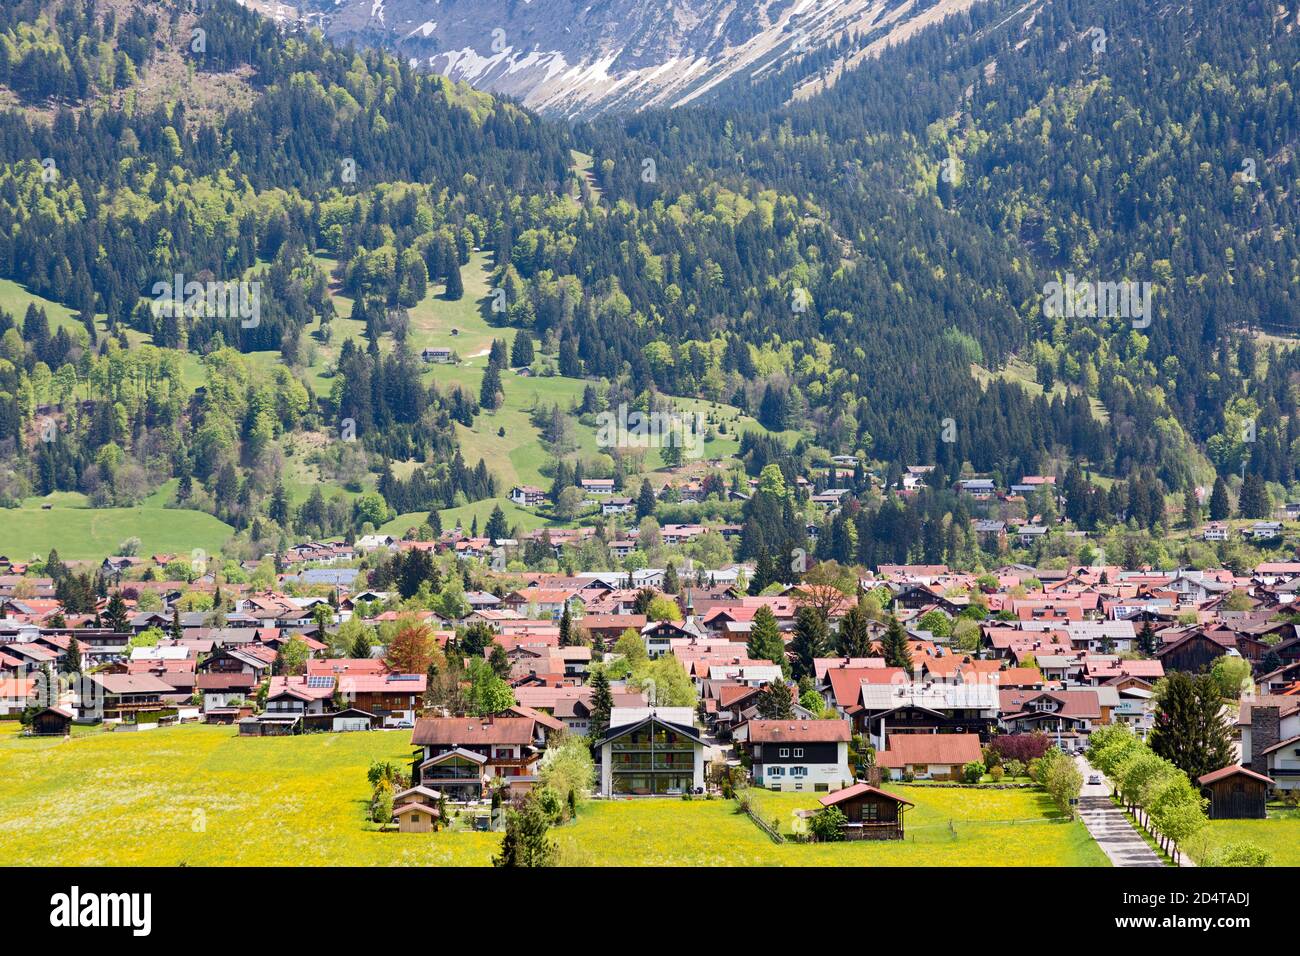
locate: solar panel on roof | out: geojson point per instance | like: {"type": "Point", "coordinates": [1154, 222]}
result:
{"type": "Point", "coordinates": [320, 681]}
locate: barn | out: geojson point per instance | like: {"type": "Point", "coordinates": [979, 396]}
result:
{"type": "Point", "coordinates": [52, 722]}
{"type": "Point", "coordinates": [1236, 793]}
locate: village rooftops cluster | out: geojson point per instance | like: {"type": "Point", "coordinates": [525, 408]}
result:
{"type": "Point", "coordinates": [1052, 654]}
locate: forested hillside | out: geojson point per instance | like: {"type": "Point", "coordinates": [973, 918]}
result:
{"type": "Point", "coordinates": [862, 268]}
{"type": "Point", "coordinates": [1128, 162]}
{"type": "Point", "coordinates": [395, 176]}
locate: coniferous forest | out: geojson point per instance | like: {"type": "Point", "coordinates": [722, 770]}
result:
{"type": "Point", "coordinates": [862, 269]}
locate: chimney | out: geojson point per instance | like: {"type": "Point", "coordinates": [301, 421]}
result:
{"type": "Point", "coordinates": [1265, 731]}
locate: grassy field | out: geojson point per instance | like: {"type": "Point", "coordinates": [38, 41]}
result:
{"type": "Point", "coordinates": [82, 533]}
{"type": "Point", "coordinates": [465, 515]}
{"type": "Point", "coordinates": [952, 826]}
{"type": "Point", "coordinates": [204, 796]}
{"type": "Point", "coordinates": [15, 298]}
{"type": "Point", "coordinates": [1280, 833]}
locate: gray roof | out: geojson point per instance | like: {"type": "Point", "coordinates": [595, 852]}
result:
{"type": "Point", "coordinates": [930, 696]}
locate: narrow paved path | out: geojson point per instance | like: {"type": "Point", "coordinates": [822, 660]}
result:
{"type": "Point", "coordinates": [1118, 839]}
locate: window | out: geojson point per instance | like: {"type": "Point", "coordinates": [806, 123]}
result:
{"type": "Point", "coordinates": [798, 752]}
{"type": "Point", "coordinates": [798, 771]}
{"type": "Point", "coordinates": [785, 751]}
{"type": "Point", "coordinates": [821, 787]}
{"type": "Point", "coordinates": [776, 771]}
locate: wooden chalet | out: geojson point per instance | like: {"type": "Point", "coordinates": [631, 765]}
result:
{"type": "Point", "coordinates": [870, 813]}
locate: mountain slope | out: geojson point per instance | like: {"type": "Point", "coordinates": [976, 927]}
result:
{"type": "Point", "coordinates": [578, 58]}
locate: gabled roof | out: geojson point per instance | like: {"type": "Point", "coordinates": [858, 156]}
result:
{"type": "Point", "coordinates": [633, 718]}
{"type": "Point", "coordinates": [460, 731]}
{"type": "Point", "coordinates": [1234, 770]}
{"type": "Point", "coordinates": [454, 752]}
{"type": "Point", "coordinates": [904, 749]}
{"type": "Point", "coordinates": [132, 684]}
{"type": "Point", "coordinates": [799, 731]}
{"type": "Point", "coordinates": [859, 790]}
{"type": "Point", "coordinates": [1279, 745]}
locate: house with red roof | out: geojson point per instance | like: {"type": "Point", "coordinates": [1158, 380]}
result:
{"type": "Point", "coordinates": [930, 756]}
{"type": "Point", "coordinates": [800, 755]}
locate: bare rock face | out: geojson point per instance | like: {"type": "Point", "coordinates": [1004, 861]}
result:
{"type": "Point", "coordinates": [576, 58]}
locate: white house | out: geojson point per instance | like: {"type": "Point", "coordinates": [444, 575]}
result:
{"type": "Point", "coordinates": [800, 755]}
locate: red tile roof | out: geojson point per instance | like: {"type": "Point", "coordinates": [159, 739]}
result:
{"type": "Point", "coordinates": [904, 749]}
{"type": "Point", "coordinates": [799, 731]}
{"type": "Point", "coordinates": [858, 790]}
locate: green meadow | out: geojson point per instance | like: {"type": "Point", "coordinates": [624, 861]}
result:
{"type": "Point", "coordinates": [465, 515]}
{"type": "Point", "coordinates": [203, 796]}
{"type": "Point", "coordinates": [1279, 834]}
{"type": "Point", "coordinates": [954, 826]}
{"type": "Point", "coordinates": [81, 533]}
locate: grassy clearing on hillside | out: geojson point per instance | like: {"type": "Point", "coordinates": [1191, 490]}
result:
{"type": "Point", "coordinates": [15, 298]}
{"type": "Point", "coordinates": [465, 515]}
{"type": "Point", "coordinates": [205, 796]}
{"type": "Point", "coordinates": [82, 533]}
{"type": "Point", "coordinates": [1021, 373]}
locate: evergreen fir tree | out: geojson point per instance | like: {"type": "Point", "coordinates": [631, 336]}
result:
{"type": "Point", "coordinates": [524, 843]}
{"type": "Point", "coordinates": [1190, 730]}
{"type": "Point", "coordinates": [811, 637]}
{"type": "Point", "coordinates": [671, 584]}
{"type": "Point", "coordinates": [854, 635]}
{"type": "Point", "coordinates": [115, 615]}
{"type": "Point", "coordinates": [765, 643]}
{"type": "Point", "coordinates": [645, 501]}
{"type": "Point", "coordinates": [521, 350]}
{"type": "Point", "coordinates": [1191, 508]}
{"type": "Point", "coordinates": [72, 660]}
{"type": "Point", "coordinates": [1147, 642]}
{"type": "Point", "coordinates": [602, 700]}
{"type": "Point", "coordinates": [894, 647]}
{"type": "Point", "coordinates": [362, 645]}
{"type": "Point", "coordinates": [455, 284]}
{"type": "Point", "coordinates": [489, 395]}
{"type": "Point", "coordinates": [1254, 501]}
{"type": "Point", "coordinates": [496, 526]}
{"type": "Point", "coordinates": [774, 702]}
{"type": "Point", "coordinates": [1220, 506]}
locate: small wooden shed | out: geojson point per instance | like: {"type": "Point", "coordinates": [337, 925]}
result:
{"type": "Point", "coordinates": [52, 722]}
{"type": "Point", "coordinates": [415, 818]}
{"type": "Point", "coordinates": [1236, 793]}
{"type": "Point", "coordinates": [869, 812]}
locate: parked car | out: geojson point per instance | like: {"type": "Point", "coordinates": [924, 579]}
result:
{"type": "Point", "coordinates": [1094, 780]}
